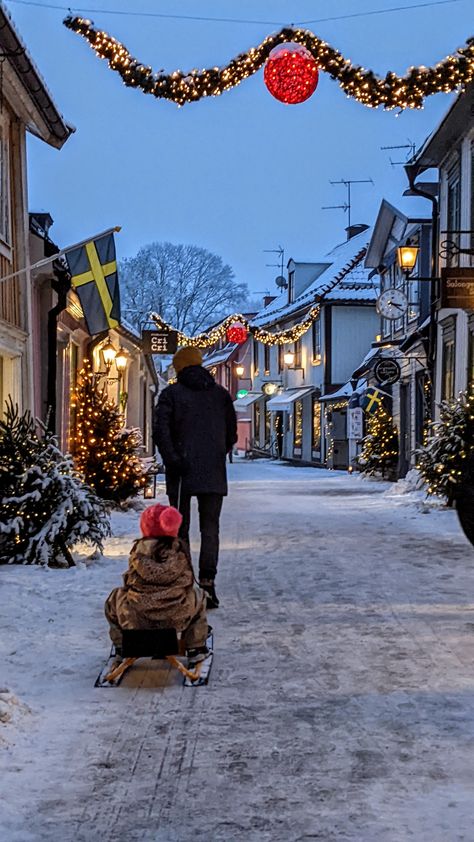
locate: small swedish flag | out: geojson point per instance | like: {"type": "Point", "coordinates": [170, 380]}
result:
{"type": "Point", "coordinates": [94, 277]}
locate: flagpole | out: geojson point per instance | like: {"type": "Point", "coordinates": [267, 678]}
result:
{"type": "Point", "coordinates": [47, 260]}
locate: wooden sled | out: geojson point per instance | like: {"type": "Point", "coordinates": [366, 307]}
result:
{"type": "Point", "coordinates": [158, 644]}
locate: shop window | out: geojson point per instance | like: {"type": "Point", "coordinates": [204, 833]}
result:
{"type": "Point", "coordinates": [472, 202]}
{"type": "Point", "coordinates": [266, 358]}
{"type": "Point", "coordinates": [470, 358]}
{"type": "Point", "coordinates": [281, 364]}
{"type": "Point", "coordinates": [317, 340]}
{"type": "Point", "coordinates": [4, 185]}
{"type": "Point", "coordinates": [316, 429]}
{"type": "Point", "coordinates": [297, 428]}
{"type": "Point", "coordinates": [256, 421]}
{"type": "Point", "coordinates": [255, 356]}
{"type": "Point", "coordinates": [268, 426]}
{"type": "Point", "coordinates": [291, 287]}
{"type": "Point", "coordinates": [298, 351]}
{"type": "Point", "coordinates": [453, 219]}
{"type": "Point", "coordinates": [448, 363]}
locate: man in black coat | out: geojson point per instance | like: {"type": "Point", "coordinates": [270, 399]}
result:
{"type": "Point", "coordinates": [194, 427]}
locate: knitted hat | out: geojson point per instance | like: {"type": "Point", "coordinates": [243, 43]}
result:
{"type": "Point", "coordinates": [185, 357]}
{"type": "Point", "coordinates": [158, 521]}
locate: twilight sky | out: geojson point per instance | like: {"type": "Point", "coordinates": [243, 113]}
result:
{"type": "Point", "coordinates": [239, 173]}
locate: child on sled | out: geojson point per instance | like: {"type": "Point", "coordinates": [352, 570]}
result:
{"type": "Point", "coordinates": [159, 589]}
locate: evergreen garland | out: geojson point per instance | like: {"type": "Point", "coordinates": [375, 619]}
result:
{"type": "Point", "coordinates": [379, 453]}
{"type": "Point", "coordinates": [390, 91]}
{"type": "Point", "coordinates": [45, 507]}
{"type": "Point", "coordinates": [105, 452]}
{"type": "Point", "coordinates": [442, 461]}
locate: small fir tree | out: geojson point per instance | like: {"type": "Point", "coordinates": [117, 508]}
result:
{"type": "Point", "coordinates": [379, 453]}
{"type": "Point", "coordinates": [45, 506]}
{"type": "Point", "coordinates": [105, 452]}
{"type": "Point", "coordinates": [442, 460]}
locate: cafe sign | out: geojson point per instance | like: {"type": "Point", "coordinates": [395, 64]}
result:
{"type": "Point", "coordinates": [159, 341]}
{"type": "Point", "coordinates": [457, 288]}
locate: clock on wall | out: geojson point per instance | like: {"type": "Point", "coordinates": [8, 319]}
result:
{"type": "Point", "coordinates": [392, 304]}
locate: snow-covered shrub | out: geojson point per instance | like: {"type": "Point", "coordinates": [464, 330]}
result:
{"type": "Point", "coordinates": [45, 505]}
{"type": "Point", "coordinates": [443, 459]}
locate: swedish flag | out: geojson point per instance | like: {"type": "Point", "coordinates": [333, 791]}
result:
{"type": "Point", "coordinates": [372, 400]}
{"type": "Point", "coordinates": [94, 277]}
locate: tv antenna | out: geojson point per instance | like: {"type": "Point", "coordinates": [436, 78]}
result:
{"type": "Point", "coordinates": [347, 206]}
{"type": "Point", "coordinates": [280, 251]}
{"type": "Point", "coordinates": [410, 145]}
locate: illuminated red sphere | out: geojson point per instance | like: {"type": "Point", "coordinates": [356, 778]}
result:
{"type": "Point", "coordinates": [237, 333]}
{"type": "Point", "coordinates": [291, 73]}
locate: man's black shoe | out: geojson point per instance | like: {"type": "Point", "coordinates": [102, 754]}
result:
{"type": "Point", "coordinates": [208, 586]}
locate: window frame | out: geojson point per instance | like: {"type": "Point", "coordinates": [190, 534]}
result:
{"type": "Point", "coordinates": [5, 187]}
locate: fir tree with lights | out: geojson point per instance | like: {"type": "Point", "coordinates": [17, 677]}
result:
{"type": "Point", "coordinates": [105, 452]}
{"type": "Point", "coordinates": [379, 453]}
{"type": "Point", "coordinates": [45, 506]}
{"type": "Point", "coordinates": [442, 461]}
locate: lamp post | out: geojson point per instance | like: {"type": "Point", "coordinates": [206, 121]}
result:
{"type": "Point", "coordinates": [407, 256]}
{"type": "Point", "coordinates": [108, 353]}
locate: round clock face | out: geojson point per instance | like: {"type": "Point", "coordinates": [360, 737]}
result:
{"type": "Point", "coordinates": [392, 304]}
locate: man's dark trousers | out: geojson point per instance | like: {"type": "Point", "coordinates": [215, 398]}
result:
{"type": "Point", "coordinates": [209, 506]}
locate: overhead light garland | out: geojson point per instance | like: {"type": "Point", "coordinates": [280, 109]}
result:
{"type": "Point", "coordinates": [267, 337]}
{"type": "Point", "coordinates": [390, 91]}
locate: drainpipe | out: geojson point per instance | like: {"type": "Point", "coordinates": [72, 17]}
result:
{"type": "Point", "coordinates": [412, 172]}
{"type": "Point", "coordinates": [61, 285]}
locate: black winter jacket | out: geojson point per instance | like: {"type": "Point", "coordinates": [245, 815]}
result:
{"type": "Point", "coordinates": [194, 427]}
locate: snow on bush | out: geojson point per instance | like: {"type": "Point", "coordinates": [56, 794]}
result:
{"type": "Point", "coordinates": [45, 506]}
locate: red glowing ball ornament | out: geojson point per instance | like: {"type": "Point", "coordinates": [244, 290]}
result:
{"type": "Point", "coordinates": [291, 73]}
{"type": "Point", "coordinates": [237, 333]}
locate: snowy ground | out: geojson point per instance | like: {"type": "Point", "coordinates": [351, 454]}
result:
{"type": "Point", "coordinates": [340, 705]}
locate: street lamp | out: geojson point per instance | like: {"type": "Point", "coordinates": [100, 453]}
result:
{"type": "Point", "coordinates": [109, 353]}
{"type": "Point", "coordinates": [289, 357]}
{"type": "Point", "coordinates": [407, 256]}
{"type": "Point", "coordinates": [121, 360]}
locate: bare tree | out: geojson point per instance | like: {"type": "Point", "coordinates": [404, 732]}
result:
{"type": "Point", "coordinates": [188, 286]}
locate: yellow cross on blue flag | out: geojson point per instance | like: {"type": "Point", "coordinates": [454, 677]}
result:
{"type": "Point", "coordinates": [93, 268]}
{"type": "Point", "coordinates": [372, 400]}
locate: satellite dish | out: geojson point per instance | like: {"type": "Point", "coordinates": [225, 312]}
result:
{"type": "Point", "coordinates": [281, 282]}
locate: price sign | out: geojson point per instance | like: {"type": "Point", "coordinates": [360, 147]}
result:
{"type": "Point", "coordinates": [159, 341]}
{"type": "Point", "coordinates": [355, 422]}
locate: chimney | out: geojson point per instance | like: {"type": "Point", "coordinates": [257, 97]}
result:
{"type": "Point", "coordinates": [267, 299]}
{"type": "Point", "coordinates": [353, 230]}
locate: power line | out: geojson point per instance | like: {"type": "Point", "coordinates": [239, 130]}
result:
{"type": "Point", "coordinates": [210, 19]}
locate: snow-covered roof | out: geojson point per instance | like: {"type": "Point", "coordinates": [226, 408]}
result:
{"type": "Point", "coordinates": [345, 391]}
{"type": "Point", "coordinates": [221, 355]}
{"type": "Point", "coordinates": [345, 279]}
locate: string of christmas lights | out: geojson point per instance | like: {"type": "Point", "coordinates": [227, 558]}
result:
{"type": "Point", "coordinates": [390, 91]}
{"type": "Point", "coordinates": [205, 340]}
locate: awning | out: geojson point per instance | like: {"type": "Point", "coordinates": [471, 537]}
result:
{"type": "Point", "coordinates": [249, 399]}
{"type": "Point", "coordinates": [285, 400]}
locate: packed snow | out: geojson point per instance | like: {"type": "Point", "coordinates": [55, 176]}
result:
{"type": "Point", "coordinates": [340, 705]}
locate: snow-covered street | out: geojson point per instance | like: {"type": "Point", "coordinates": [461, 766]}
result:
{"type": "Point", "coordinates": [340, 705]}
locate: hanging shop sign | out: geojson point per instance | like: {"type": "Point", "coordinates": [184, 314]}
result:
{"type": "Point", "coordinates": [457, 288]}
{"type": "Point", "coordinates": [160, 341]}
{"type": "Point", "coordinates": [355, 423]}
{"type": "Point", "coordinates": [387, 371]}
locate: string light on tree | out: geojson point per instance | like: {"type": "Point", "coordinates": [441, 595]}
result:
{"type": "Point", "coordinates": [105, 452]}
{"type": "Point", "coordinates": [379, 453]}
{"type": "Point", "coordinates": [391, 91]}
{"type": "Point", "coordinates": [291, 73]}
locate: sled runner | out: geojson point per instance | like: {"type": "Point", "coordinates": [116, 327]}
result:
{"type": "Point", "coordinates": [158, 644]}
